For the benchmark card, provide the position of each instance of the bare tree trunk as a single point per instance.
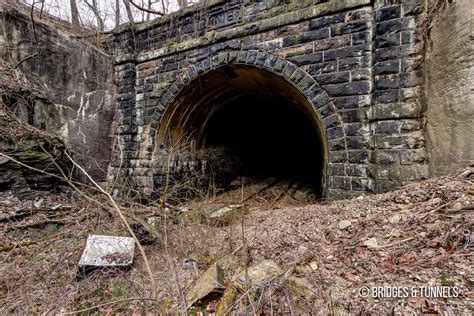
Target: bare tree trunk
(142, 9)
(117, 13)
(149, 8)
(74, 13)
(129, 10)
(182, 3)
(95, 10)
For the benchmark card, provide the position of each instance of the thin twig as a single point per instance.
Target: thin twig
(395, 243)
(124, 221)
(109, 303)
(48, 173)
(28, 242)
(39, 223)
(145, 9)
(34, 34)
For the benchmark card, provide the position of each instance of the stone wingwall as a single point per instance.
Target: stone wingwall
(450, 88)
(359, 63)
(73, 84)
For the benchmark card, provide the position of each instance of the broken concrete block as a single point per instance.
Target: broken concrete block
(107, 251)
(208, 286)
(229, 262)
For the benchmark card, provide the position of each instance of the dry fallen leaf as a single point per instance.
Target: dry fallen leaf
(407, 258)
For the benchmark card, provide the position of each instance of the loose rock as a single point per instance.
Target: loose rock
(260, 273)
(371, 243)
(223, 215)
(395, 219)
(189, 264)
(344, 224)
(209, 285)
(313, 265)
(38, 203)
(154, 221)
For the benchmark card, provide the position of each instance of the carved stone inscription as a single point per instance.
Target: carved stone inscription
(226, 15)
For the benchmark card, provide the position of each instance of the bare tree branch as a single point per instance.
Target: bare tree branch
(117, 13)
(74, 13)
(42, 8)
(129, 11)
(94, 8)
(124, 221)
(182, 3)
(34, 34)
(145, 9)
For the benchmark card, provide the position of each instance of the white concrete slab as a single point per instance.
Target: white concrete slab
(106, 251)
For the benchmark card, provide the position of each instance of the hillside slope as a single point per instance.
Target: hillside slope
(314, 259)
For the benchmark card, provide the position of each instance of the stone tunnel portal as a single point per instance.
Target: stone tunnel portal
(261, 120)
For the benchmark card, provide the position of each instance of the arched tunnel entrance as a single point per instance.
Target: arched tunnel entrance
(260, 120)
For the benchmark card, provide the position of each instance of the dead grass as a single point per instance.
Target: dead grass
(430, 243)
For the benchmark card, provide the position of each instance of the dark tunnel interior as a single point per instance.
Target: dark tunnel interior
(261, 121)
(269, 137)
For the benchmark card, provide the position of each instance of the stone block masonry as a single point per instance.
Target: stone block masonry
(73, 83)
(396, 114)
(359, 64)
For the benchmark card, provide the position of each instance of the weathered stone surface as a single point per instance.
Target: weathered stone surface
(226, 301)
(210, 283)
(222, 215)
(450, 77)
(259, 273)
(301, 286)
(77, 84)
(344, 224)
(26, 146)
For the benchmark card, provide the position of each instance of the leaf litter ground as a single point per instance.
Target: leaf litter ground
(420, 235)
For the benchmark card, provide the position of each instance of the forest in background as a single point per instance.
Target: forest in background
(105, 15)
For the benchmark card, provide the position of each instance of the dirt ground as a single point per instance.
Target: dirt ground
(327, 253)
